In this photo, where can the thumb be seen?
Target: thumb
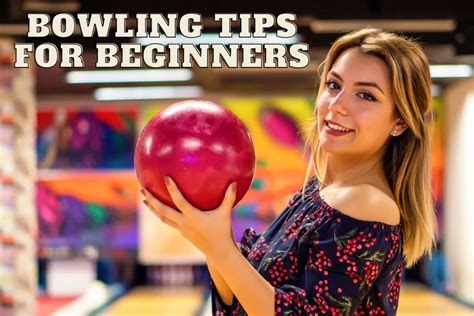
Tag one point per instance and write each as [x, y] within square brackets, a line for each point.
[229, 197]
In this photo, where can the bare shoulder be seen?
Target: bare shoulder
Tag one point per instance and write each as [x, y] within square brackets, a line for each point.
[365, 202]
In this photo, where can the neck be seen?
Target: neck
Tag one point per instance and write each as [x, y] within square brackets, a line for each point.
[345, 170]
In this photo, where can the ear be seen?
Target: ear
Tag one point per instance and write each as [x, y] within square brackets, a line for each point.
[399, 128]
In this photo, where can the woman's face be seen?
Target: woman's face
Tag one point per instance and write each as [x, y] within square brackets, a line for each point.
[357, 97]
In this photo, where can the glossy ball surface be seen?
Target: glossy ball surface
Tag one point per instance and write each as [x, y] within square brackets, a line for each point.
[201, 145]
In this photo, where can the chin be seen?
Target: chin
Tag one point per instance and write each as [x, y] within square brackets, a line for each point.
[331, 147]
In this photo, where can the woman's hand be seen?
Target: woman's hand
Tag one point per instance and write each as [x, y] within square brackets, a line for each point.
[210, 232]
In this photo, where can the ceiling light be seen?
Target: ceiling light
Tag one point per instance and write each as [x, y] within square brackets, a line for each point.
[143, 75]
[450, 71]
[147, 93]
[213, 38]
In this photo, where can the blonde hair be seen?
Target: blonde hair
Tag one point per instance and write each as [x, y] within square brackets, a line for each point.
[406, 161]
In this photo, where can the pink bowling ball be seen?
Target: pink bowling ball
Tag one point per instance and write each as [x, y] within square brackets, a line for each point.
[202, 146]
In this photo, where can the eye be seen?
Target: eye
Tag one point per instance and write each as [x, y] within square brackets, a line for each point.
[367, 96]
[331, 84]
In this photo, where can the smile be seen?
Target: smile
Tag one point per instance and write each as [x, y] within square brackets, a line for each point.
[337, 127]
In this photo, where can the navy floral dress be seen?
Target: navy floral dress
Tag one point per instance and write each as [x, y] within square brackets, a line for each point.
[323, 262]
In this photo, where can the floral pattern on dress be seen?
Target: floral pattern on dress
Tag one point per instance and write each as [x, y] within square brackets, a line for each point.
[323, 262]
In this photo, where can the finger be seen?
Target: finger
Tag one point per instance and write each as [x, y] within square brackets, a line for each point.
[167, 221]
[161, 217]
[229, 197]
[152, 200]
[164, 219]
[178, 199]
[163, 209]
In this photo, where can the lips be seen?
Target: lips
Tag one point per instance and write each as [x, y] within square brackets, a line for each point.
[337, 126]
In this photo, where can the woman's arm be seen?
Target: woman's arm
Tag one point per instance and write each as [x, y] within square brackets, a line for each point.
[254, 293]
[222, 288]
[211, 233]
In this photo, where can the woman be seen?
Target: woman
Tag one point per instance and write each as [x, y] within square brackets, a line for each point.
[341, 243]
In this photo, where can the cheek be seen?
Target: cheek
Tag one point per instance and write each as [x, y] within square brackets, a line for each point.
[372, 126]
[368, 117]
[322, 106]
[322, 111]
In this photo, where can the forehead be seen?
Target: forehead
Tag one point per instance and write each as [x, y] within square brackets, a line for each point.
[355, 65]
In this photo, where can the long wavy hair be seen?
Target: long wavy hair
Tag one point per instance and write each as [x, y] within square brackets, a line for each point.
[406, 160]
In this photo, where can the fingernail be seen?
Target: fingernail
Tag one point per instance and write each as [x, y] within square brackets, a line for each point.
[142, 191]
[234, 187]
[145, 202]
[167, 180]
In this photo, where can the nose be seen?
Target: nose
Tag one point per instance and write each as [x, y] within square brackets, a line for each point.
[337, 104]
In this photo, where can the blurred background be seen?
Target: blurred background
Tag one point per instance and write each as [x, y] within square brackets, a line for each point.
[75, 238]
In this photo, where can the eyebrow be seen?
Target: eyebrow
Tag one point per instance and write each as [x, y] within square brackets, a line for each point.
[359, 83]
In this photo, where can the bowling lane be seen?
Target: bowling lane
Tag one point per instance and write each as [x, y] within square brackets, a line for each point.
[163, 301]
[415, 300]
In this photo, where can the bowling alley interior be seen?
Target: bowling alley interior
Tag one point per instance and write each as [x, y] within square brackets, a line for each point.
[75, 235]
